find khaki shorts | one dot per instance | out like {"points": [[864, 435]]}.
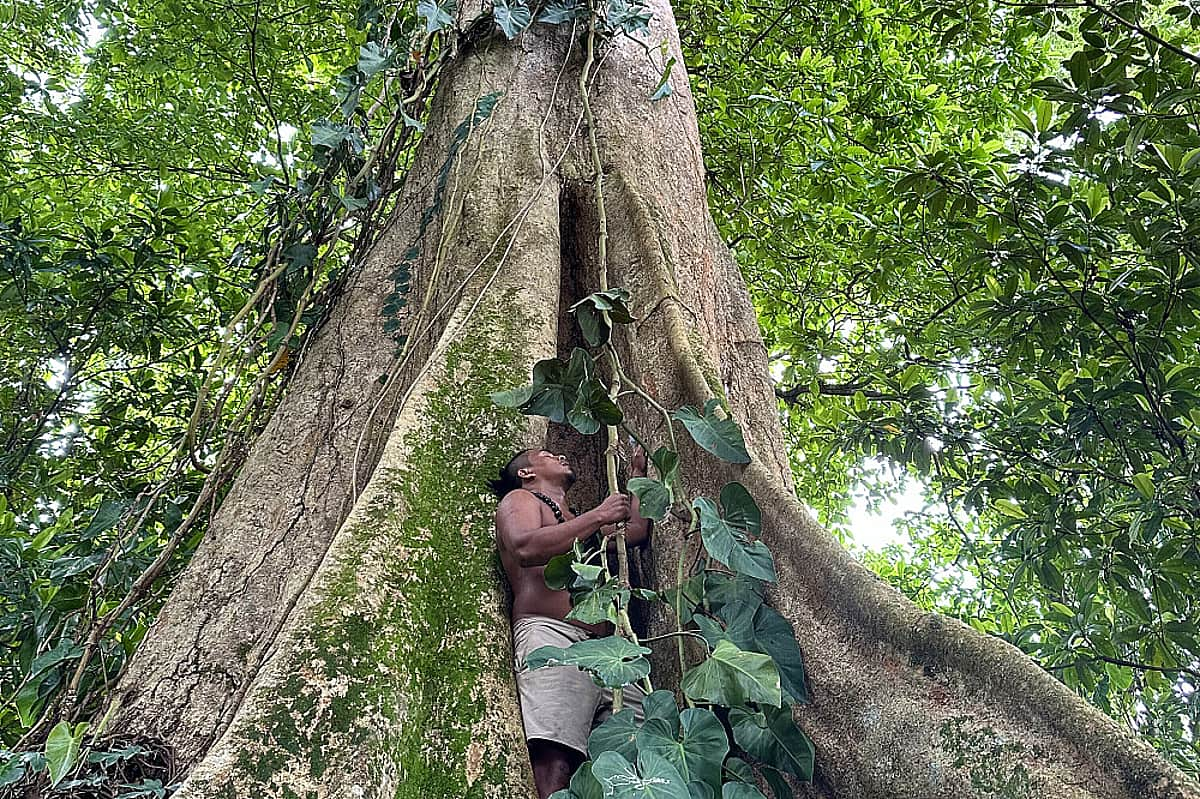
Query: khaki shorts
{"points": [[561, 703]]}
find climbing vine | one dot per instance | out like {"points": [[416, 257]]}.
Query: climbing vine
{"points": [[750, 672], [739, 692]]}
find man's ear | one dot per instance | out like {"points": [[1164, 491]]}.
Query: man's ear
{"points": [[525, 474]]}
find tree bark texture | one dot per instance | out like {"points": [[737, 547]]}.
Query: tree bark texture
{"points": [[342, 630]]}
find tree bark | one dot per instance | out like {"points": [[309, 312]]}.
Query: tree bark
{"points": [[342, 630]]}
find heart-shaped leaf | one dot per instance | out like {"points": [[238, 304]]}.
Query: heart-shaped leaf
{"points": [[654, 777], [732, 545], [512, 16], [62, 750], [740, 509], [693, 741], [755, 627], [436, 15], [721, 589], [565, 392], [720, 435], [731, 677], [372, 58], [591, 311], [667, 462], [611, 661], [772, 736], [654, 499], [598, 604], [558, 11], [618, 733]]}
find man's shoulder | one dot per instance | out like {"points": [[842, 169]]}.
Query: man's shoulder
{"points": [[518, 496], [517, 500]]}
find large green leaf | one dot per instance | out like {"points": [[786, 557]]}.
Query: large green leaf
{"points": [[559, 11], [654, 499], [618, 733], [436, 15], [591, 309], [666, 461], [731, 545], [731, 677], [596, 605], [611, 661], [773, 737], [740, 790], [565, 392], [558, 574], [512, 16], [372, 58], [740, 509], [755, 627], [693, 741], [593, 407], [720, 435], [62, 750], [583, 785], [12, 768], [722, 589], [654, 777], [106, 517]]}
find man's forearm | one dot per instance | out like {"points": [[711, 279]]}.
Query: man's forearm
{"points": [[555, 539]]}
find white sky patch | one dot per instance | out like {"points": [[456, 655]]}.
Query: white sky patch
{"points": [[876, 529], [93, 31], [56, 373]]}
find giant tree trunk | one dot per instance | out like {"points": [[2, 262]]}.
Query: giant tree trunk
{"points": [[342, 632]]}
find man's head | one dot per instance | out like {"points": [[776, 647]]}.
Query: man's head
{"points": [[530, 466]]}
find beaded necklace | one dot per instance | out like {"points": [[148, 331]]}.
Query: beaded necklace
{"points": [[558, 514]]}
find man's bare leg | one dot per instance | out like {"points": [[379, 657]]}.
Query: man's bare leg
{"points": [[553, 765]]}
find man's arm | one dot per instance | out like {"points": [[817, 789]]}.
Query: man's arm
{"points": [[637, 529], [519, 526]]}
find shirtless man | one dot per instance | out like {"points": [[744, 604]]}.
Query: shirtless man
{"points": [[559, 704]]}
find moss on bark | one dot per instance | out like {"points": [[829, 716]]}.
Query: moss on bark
{"points": [[396, 678]]}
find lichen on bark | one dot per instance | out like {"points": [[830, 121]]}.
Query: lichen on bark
{"points": [[395, 679]]}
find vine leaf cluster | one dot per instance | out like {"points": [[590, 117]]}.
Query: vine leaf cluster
{"points": [[739, 696]]}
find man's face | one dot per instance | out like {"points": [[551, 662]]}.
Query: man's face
{"points": [[546, 464]]}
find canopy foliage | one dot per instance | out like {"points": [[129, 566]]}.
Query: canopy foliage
{"points": [[969, 227]]}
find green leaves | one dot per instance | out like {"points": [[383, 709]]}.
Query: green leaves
{"points": [[654, 777], [559, 11], [611, 661], [330, 135], [727, 534], [437, 15], [654, 498], [732, 677], [512, 16], [592, 310], [618, 733], [565, 392], [718, 434], [772, 736], [693, 742], [756, 627], [62, 749], [373, 58], [629, 16]]}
